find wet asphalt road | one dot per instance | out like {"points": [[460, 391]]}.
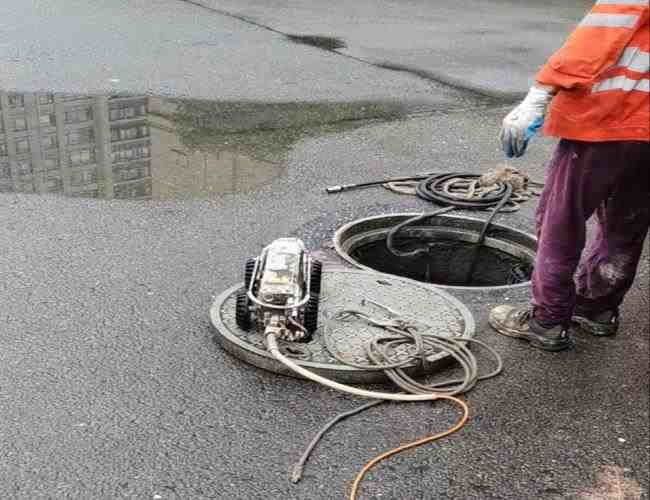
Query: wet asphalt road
{"points": [[493, 46], [110, 383], [170, 47]]}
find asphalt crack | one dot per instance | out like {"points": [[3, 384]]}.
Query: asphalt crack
{"points": [[496, 97], [334, 44], [328, 43]]}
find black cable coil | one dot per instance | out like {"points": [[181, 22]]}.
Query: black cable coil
{"points": [[434, 189]]}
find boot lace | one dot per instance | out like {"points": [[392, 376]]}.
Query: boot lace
{"points": [[523, 316]]}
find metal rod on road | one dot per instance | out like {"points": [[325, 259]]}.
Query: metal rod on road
{"points": [[349, 187]]}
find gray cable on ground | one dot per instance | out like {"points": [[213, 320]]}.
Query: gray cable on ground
{"points": [[298, 468], [427, 344]]}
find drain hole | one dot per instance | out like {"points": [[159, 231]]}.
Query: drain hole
{"points": [[449, 262]]}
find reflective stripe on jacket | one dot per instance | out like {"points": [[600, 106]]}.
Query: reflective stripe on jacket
{"points": [[603, 71]]}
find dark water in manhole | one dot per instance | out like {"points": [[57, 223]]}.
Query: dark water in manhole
{"points": [[449, 262]]}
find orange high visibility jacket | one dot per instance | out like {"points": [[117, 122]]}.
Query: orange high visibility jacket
{"points": [[603, 71]]}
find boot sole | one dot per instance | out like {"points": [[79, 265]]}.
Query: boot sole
{"points": [[534, 341], [593, 328]]}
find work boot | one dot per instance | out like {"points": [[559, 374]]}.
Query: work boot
{"points": [[604, 324], [520, 323]]}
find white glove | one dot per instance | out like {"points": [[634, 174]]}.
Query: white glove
{"points": [[524, 121]]}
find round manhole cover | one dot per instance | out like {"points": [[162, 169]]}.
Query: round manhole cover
{"points": [[449, 256], [345, 289]]}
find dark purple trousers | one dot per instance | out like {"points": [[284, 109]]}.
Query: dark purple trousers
{"points": [[610, 180]]}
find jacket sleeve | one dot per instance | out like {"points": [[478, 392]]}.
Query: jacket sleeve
{"points": [[596, 44]]}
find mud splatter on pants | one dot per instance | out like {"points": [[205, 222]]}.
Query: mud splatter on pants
{"points": [[610, 180]]}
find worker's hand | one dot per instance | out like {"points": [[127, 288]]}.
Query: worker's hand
{"points": [[524, 121]]}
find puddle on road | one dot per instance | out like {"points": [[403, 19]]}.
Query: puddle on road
{"points": [[142, 147]]}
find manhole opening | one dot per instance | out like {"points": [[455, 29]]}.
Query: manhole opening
{"points": [[453, 259]]}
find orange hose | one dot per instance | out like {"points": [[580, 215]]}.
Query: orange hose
{"points": [[419, 442]]}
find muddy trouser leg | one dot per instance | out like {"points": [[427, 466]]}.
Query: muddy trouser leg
{"points": [[581, 176], [608, 266]]}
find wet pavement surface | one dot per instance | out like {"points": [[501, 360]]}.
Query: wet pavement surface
{"points": [[487, 46], [122, 216], [141, 147], [169, 47]]}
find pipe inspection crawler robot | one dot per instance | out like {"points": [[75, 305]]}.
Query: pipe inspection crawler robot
{"points": [[281, 292]]}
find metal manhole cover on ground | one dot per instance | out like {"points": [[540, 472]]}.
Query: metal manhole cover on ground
{"points": [[345, 289]]}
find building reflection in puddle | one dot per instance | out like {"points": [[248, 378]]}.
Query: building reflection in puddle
{"points": [[114, 147]]}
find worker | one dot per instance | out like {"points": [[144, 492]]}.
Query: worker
{"points": [[597, 91]]}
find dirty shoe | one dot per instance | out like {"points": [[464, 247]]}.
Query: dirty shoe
{"points": [[520, 323], [604, 324]]}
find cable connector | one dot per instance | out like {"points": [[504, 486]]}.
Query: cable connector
{"points": [[296, 473], [338, 189]]}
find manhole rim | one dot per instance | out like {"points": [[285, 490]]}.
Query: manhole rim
{"points": [[245, 351], [343, 254]]}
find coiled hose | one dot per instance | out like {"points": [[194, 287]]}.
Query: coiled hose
{"points": [[460, 190], [400, 332]]}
